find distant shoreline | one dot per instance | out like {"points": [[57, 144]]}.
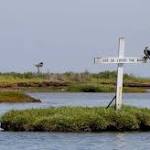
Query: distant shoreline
{"points": [[71, 82]]}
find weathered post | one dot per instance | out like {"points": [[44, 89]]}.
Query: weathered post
{"points": [[118, 103]]}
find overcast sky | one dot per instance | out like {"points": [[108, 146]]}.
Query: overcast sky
{"points": [[67, 34]]}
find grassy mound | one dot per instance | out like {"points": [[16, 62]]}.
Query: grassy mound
{"points": [[90, 88], [15, 97], [102, 88], [77, 119]]}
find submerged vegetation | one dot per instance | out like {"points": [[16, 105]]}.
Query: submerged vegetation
{"points": [[71, 82], [77, 119], [15, 97]]}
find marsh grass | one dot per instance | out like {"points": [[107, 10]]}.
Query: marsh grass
{"points": [[15, 97], [77, 119], [90, 88], [70, 82]]}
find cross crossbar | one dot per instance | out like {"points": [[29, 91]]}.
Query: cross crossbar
{"points": [[117, 60]]}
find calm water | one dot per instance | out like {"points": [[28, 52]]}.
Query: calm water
{"points": [[76, 141], [71, 141], [78, 99]]}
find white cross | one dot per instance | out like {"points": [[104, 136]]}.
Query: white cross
{"points": [[120, 60]]}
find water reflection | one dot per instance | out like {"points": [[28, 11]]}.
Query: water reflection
{"points": [[120, 141]]}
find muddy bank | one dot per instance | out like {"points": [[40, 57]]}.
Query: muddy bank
{"points": [[16, 97], [33, 84]]}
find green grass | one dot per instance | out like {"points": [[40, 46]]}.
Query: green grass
{"points": [[101, 88], [77, 119], [90, 88], [70, 82], [15, 97]]}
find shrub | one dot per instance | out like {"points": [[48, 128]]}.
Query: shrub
{"points": [[77, 119]]}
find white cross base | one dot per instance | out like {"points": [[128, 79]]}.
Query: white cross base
{"points": [[120, 60]]}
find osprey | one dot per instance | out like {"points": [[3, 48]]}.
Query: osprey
{"points": [[147, 53], [39, 64]]}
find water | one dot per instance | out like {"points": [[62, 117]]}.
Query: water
{"points": [[78, 99], [76, 141]]}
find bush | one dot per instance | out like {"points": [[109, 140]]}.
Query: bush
{"points": [[90, 88], [77, 119]]}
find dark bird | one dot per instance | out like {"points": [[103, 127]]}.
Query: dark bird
{"points": [[147, 53], [39, 64]]}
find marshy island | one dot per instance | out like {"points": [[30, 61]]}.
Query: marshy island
{"points": [[77, 119]]}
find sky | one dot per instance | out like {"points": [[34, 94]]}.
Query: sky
{"points": [[67, 34]]}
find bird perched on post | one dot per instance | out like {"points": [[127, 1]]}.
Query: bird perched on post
{"points": [[38, 66], [147, 53]]}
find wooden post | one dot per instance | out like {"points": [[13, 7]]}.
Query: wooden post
{"points": [[119, 89]]}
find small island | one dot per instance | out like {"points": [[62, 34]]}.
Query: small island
{"points": [[16, 97], [77, 119]]}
